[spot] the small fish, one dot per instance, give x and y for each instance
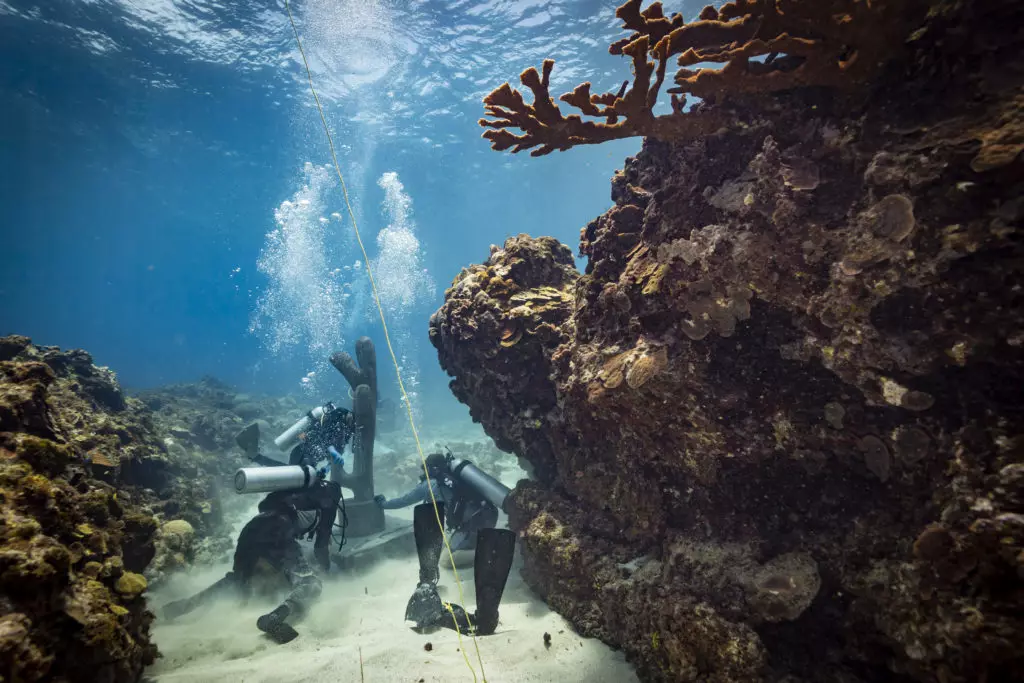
(98, 458)
(778, 584)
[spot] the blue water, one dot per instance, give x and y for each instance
(146, 145)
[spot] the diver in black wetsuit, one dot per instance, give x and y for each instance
(468, 511)
(271, 537)
(474, 498)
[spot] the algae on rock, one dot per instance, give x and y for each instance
(70, 543)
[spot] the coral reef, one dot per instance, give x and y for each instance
(71, 545)
(105, 495)
(776, 425)
(765, 46)
(531, 285)
(189, 479)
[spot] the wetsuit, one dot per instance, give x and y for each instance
(467, 514)
(272, 537)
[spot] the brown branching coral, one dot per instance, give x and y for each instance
(764, 45)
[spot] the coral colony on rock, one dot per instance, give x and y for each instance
(774, 431)
(776, 425)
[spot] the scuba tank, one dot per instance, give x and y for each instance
(290, 436)
(324, 426)
(268, 479)
(481, 483)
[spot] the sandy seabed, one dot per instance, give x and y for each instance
(361, 614)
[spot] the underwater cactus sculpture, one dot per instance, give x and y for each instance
(364, 516)
(764, 46)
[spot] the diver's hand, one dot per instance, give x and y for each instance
(379, 500)
(336, 457)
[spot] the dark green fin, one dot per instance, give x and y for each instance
(173, 610)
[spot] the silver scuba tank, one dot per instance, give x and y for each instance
(267, 479)
(289, 437)
(488, 488)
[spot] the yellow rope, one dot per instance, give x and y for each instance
(394, 359)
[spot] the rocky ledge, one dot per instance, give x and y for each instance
(776, 425)
(104, 496)
(72, 547)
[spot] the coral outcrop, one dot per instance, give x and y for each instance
(71, 546)
(527, 290)
(776, 426)
(104, 496)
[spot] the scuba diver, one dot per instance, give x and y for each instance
(468, 506)
(473, 498)
(301, 503)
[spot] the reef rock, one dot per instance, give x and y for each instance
(191, 479)
(775, 426)
(71, 600)
(509, 314)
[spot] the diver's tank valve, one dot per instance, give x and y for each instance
(291, 436)
(489, 488)
(268, 479)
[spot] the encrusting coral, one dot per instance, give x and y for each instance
(776, 425)
(765, 46)
(71, 546)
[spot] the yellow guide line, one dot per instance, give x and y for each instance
(391, 350)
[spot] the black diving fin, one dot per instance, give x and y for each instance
(495, 549)
(249, 439)
(424, 607)
(173, 610)
(275, 626)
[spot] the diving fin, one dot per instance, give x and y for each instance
(424, 607)
(495, 549)
(455, 617)
(275, 626)
(173, 610)
(249, 439)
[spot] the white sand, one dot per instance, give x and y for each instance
(364, 612)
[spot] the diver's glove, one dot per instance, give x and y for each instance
(275, 626)
(380, 500)
(336, 457)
